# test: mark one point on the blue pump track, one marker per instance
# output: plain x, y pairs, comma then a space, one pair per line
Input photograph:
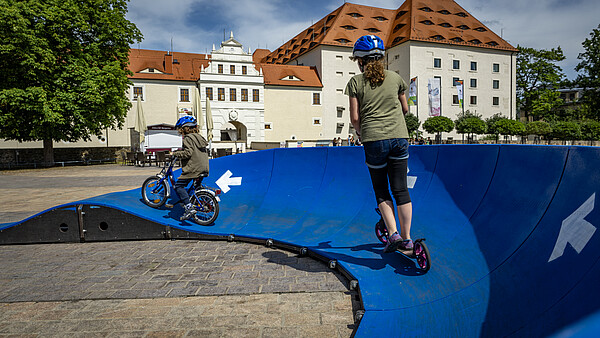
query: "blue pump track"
511, 230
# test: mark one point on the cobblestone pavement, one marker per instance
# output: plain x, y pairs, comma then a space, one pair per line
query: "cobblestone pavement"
158, 288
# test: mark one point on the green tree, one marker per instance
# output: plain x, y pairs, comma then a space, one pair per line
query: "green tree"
589, 77
539, 128
537, 78
469, 123
590, 130
412, 124
438, 125
490, 123
566, 130
64, 69
510, 127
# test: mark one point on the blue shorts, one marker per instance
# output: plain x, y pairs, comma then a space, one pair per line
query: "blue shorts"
377, 153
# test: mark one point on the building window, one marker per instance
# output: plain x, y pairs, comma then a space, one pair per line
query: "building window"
316, 98
184, 95
138, 91
221, 92
232, 69
255, 95
473, 100
245, 95
437, 63
473, 83
209, 93
496, 68
244, 70
455, 81
495, 101
268, 126
316, 121
220, 69
473, 65
455, 99
455, 64
232, 94
496, 84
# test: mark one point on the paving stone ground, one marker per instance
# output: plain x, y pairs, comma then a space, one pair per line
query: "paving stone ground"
156, 288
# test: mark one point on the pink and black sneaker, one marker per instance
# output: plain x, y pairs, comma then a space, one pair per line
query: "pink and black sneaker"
393, 242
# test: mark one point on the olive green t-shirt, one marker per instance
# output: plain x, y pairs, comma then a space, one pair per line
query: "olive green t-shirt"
380, 112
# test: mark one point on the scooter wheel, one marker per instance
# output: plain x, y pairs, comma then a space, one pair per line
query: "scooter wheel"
422, 255
381, 231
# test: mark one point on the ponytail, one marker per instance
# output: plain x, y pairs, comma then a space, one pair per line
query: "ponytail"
373, 71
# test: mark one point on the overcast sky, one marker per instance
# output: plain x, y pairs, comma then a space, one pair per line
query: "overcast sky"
195, 25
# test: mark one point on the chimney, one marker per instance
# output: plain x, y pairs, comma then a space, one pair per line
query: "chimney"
169, 63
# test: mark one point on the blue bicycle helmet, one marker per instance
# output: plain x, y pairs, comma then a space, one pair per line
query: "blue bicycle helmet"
369, 46
186, 121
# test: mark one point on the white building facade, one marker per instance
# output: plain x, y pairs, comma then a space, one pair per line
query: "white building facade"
235, 88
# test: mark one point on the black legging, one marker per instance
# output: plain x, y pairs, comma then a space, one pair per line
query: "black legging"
396, 171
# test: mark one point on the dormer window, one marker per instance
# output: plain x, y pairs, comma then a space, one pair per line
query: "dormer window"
150, 70
480, 29
437, 37
464, 27
397, 40
290, 78
355, 15
349, 27
380, 18
426, 9
457, 40
373, 30
427, 22
398, 26
342, 40
446, 25
462, 15
475, 42
443, 11
492, 43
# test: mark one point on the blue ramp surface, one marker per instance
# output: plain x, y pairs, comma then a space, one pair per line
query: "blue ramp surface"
512, 232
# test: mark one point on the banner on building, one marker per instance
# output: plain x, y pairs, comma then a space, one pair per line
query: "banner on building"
434, 97
461, 95
412, 92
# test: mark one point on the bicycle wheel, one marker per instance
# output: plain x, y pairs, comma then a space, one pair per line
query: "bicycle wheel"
207, 208
154, 192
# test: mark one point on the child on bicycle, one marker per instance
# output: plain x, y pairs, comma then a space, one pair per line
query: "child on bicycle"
377, 109
194, 161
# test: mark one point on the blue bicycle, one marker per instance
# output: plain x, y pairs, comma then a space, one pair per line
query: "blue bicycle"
157, 189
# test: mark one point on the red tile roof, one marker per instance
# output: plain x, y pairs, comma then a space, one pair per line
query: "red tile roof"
174, 66
278, 75
438, 21
187, 66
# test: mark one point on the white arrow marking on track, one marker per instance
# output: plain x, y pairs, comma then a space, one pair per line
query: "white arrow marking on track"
575, 230
410, 180
226, 180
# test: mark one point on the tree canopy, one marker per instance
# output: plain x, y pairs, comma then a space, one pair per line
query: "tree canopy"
538, 76
469, 123
589, 77
566, 130
64, 69
510, 127
438, 125
412, 123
